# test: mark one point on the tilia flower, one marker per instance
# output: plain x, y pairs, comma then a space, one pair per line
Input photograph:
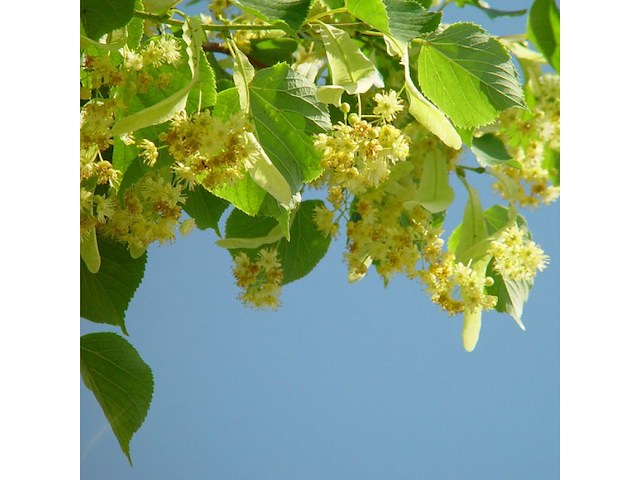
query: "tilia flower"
516, 257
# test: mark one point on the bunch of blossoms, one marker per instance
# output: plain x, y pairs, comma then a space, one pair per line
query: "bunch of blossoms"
149, 212
516, 256
209, 151
131, 68
260, 278
96, 119
456, 287
452, 285
392, 237
358, 156
527, 136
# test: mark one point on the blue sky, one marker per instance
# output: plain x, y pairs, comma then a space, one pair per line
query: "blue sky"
345, 380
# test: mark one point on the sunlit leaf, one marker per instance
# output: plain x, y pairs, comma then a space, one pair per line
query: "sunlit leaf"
468, 74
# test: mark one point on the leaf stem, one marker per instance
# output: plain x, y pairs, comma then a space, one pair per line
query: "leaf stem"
325, 14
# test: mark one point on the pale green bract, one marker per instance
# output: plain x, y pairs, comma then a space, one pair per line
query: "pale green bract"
350, 68
434, 192
167, 108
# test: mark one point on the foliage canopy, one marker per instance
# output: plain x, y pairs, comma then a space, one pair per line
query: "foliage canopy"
294, 119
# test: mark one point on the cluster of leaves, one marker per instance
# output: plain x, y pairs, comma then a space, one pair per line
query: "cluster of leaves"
252, 108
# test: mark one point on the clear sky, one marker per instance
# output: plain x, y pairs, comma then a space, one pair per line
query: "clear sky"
345, 381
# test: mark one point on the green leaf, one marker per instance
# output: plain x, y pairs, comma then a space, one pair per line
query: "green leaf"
499, 217
271, 208
120, 380
135, 28
350, 68
203, 94
243, 231
244, 194
543, 30
292, 13
286, 115
105, 295
551, 163
472, 230
123, 155
468, 74
512, 295
434, 191
427, 114
306, 247
99, 17
408, 19
402, 19
205, 208
273, 50
373, 12
489, 151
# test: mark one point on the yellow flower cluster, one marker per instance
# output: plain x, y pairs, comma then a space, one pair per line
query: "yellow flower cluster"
528, 135
209, 151
96, 120
150, 212
516, 257
323, 218
383, 233
457, 287
358, 156
261, 278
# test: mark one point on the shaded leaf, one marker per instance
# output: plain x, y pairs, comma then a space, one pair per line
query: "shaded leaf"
543, 30
512, 295
99, 17
205, 208
298, 256
120, 380
489, 150
105, 295
273, 50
